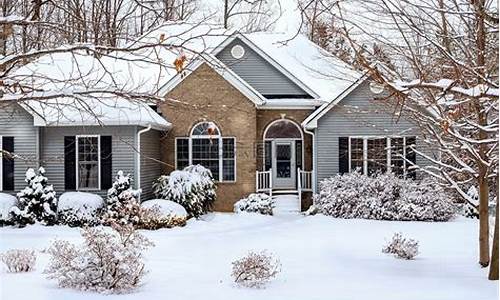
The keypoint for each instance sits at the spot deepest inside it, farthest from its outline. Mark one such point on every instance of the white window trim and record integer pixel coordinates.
(77, 137)
(389, 151)
(220, 154)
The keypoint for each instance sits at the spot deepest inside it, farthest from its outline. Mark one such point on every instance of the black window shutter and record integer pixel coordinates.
(343, 155)
(411, 156)
(8, 163)
(106, 162)
(69, 163)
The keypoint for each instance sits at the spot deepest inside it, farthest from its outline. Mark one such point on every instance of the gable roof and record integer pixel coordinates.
(219, 67)
(323, 75)
(317, 72)
(311, 122)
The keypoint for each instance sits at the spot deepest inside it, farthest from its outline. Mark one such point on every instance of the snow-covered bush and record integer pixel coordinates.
(255, 269)
(384, 197)
(19, 260)
(255, 203)
(79, 209)
(152, 218)
(37, 202)
(166, 207)
(122, 204)
(7, 202)
(401, 247)
(193, 188)
(108, 261)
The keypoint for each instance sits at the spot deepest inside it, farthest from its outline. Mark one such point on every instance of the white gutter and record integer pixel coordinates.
(314, 167)
(138, 157)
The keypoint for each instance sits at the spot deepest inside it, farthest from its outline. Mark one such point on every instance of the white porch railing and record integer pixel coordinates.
(304, 182)
(264, 181)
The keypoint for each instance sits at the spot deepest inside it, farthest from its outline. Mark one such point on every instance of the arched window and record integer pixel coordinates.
(283, 129)
(208, 129)
(206, 146)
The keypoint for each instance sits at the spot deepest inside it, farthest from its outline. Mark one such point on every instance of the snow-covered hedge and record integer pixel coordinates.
(7, 202)
(166, 207)
(193, 188)
(159, 213)
(37, 201)
(107, 261)
(79, 209)
(384, 197)
(255, 203)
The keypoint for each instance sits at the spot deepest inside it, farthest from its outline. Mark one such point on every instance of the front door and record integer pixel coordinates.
(283, 164)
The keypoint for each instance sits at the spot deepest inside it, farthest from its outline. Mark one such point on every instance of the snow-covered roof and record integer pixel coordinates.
(144, 70)
(101, 111)
(321, 72)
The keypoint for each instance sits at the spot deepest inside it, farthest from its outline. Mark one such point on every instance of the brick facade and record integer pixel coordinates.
(205, 96)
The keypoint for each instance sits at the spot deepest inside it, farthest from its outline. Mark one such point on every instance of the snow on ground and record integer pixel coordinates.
(6, 203)
(322, 258)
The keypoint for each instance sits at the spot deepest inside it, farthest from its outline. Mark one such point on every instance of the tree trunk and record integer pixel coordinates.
(484, 232)
(493, 275)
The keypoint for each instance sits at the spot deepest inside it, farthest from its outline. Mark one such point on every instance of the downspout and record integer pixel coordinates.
(138, 157)
(314, 167)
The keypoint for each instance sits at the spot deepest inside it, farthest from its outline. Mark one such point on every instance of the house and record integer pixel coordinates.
(80, 151)
(263, 111)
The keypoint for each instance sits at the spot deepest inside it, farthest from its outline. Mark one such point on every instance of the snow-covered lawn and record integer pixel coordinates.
(322, 258)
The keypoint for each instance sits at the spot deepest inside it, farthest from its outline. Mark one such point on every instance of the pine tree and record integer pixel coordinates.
(37, 201)
(123, 206)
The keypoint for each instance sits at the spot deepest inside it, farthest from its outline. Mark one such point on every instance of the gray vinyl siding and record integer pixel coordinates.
(16, 122)
(52, 154)
(150, 167)
(359, 115)
(257, 72)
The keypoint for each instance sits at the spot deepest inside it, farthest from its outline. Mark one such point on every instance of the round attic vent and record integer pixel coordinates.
(376, 87)
(237, 51)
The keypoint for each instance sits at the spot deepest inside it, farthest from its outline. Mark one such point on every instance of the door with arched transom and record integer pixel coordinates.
(283, 152)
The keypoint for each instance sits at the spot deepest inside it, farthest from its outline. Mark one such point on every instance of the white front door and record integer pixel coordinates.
(283, 160)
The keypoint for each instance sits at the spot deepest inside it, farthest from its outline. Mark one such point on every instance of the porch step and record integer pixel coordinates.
(285, 192)
(286, 204)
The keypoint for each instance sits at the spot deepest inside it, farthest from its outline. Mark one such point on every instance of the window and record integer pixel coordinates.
(208, 148)
(88, 162)
(370, 155)
(397, 156)
(182, 152)
(376, 155)
(228, 159)
(357, 156)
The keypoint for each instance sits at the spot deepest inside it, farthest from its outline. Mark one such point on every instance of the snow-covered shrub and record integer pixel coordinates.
(166, 207)
(384, 197)
(122, 203)
(37, 202)
(152, 218)
(255, 269)
(7, 202)
(108, 261)
(19, 260)
(79, 209)
(193, 188)
(401, 247)
(255, 203)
